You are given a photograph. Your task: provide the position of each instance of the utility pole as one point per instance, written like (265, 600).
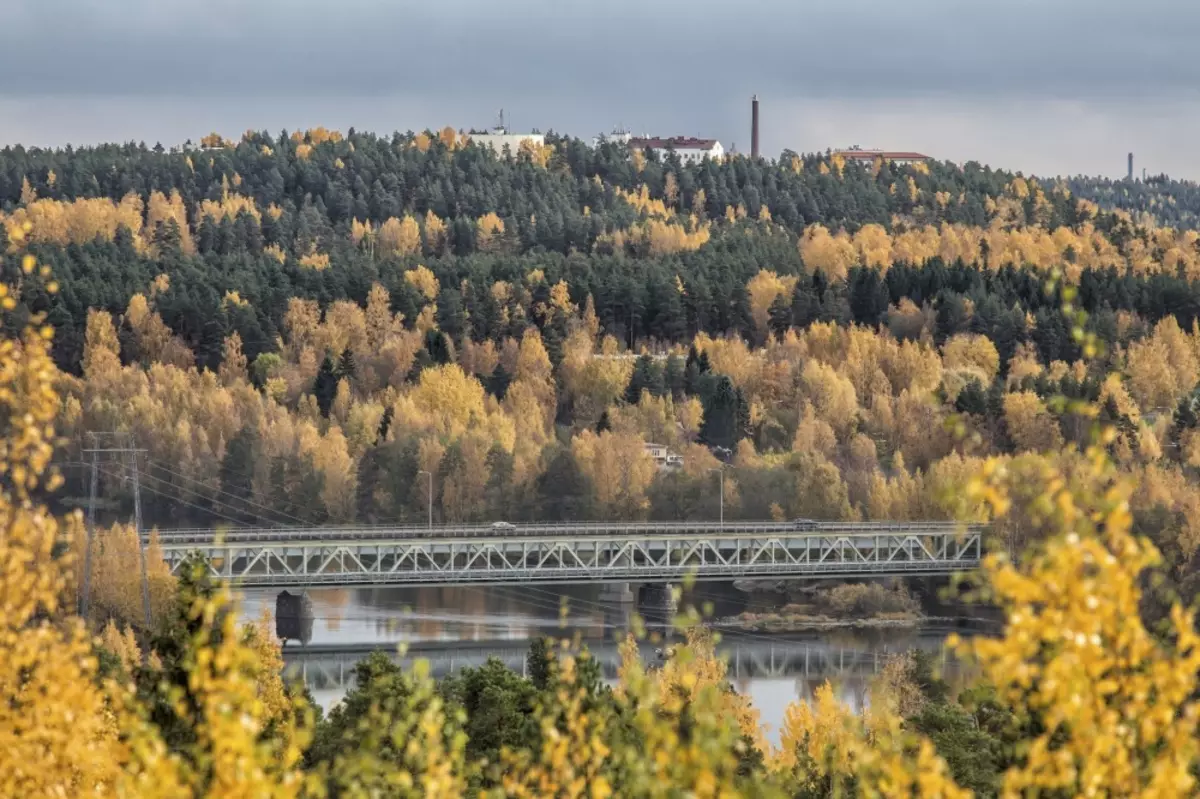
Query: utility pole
(721, 478)
(137, 528)
(91, 535)
(430, 476)
(119, 444)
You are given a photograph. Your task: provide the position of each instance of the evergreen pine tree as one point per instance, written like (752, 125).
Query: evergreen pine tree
(325, 386)
(347, 368)
(237, 467)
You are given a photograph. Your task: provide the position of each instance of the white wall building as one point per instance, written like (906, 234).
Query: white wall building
(618, 136)
(689, 149)
(499, 138)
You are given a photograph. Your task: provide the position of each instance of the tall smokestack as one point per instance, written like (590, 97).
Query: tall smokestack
(1131, 166)
(754, 126)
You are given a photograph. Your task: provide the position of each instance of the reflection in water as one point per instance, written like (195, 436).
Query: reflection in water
(456, 626)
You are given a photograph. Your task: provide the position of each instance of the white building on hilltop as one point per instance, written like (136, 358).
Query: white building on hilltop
(500, 141)
(618, 136)
(689, 149)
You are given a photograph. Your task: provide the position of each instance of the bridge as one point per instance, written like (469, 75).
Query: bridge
(332, 667)
(577, 552)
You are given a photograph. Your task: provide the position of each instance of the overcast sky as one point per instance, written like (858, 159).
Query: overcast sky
(1043, 86)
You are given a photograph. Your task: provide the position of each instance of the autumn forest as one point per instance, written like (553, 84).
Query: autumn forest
(301, 329)
(295, 326)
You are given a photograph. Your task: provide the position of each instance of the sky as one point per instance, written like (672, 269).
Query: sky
(1047, 87)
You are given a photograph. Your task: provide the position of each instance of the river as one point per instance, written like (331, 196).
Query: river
(460, 626)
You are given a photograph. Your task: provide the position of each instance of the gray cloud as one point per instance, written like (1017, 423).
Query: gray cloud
(821, 48)
(663, 66)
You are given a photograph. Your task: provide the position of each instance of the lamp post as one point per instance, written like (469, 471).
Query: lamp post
(430, 476)
(721, 478)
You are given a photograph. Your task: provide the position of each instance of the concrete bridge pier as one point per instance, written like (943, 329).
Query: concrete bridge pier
(616, 592)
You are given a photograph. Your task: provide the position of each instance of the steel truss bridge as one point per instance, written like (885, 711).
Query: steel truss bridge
(562, 553)
(332, 667)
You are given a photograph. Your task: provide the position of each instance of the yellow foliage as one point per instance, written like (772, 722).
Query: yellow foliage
(763, 289)
(539, 154)
(1163, 367)
(435, 234)
(974, 353)
(228, 207)
(1118, 701)
(122, 644)
(448, 398)
(79, 221)
(361, 231)
(619, 470)
(874, 246)
(832, 396)
(400, 237)
(315, 260)
(117, 577)
(831, 255)
(1030, 423)
(488, 229)
(824, 732)
(424, 281)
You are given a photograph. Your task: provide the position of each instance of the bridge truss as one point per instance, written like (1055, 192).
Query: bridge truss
(578, 553)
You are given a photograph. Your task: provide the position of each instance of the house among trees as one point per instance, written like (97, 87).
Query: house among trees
(663, 457)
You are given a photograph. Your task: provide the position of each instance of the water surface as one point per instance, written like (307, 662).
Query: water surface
(456, 626)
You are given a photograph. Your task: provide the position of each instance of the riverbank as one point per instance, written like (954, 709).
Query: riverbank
(791, 608)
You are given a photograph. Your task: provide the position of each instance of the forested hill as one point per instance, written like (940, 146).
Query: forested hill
(367, 177)
(1171, 202)
(664, 251)
(296, 328)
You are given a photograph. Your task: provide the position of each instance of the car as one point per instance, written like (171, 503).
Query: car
(804, 524)
(502, 526)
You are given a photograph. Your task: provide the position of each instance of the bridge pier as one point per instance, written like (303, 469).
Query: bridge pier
(293, 617)
(616, 592)
(656, 603)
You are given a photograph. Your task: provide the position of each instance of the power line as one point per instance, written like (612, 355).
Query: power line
(252, 503)
(194, 493)
(180, 500)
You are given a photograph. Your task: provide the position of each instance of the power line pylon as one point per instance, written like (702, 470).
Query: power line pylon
(119, 447)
